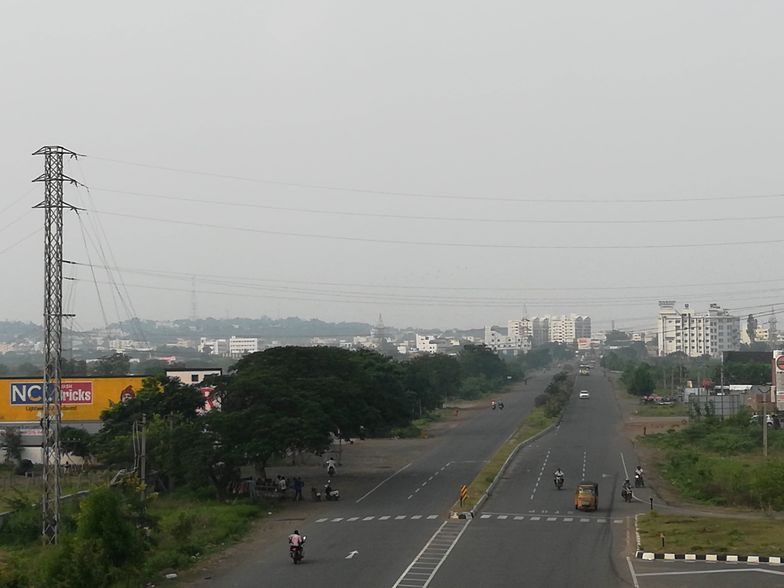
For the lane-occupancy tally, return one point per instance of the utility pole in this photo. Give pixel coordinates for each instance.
(51, 412)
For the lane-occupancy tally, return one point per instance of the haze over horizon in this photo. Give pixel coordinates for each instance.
(443, 164)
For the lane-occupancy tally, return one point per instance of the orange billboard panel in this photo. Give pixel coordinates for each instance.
(83, 399)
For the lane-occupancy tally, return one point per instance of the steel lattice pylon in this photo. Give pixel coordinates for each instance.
(53, 205)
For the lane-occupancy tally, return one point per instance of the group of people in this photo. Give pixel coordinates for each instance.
(282, 485)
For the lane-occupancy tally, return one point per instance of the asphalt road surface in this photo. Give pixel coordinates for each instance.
(528, 533)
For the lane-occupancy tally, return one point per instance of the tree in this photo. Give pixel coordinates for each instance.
(74, 367)
(639, 380)
(77, 442)
(12, 443)
(751, 328)
(432, 378)
(117, 364)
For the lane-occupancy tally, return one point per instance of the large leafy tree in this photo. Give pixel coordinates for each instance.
(432, 378)
(117, 364)
(175, 439)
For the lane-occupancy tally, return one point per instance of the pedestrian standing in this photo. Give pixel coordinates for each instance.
(298, 485)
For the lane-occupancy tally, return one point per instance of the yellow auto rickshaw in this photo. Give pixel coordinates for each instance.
(586, 496)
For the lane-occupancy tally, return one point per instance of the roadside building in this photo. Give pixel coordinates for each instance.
(697, 334)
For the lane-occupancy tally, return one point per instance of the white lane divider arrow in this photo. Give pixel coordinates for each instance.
(352, 554)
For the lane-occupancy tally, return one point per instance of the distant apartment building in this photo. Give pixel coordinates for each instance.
(241, 346)
(194, 376)
(513, 342)
(697, 334)
(564, 329)
(213, 346)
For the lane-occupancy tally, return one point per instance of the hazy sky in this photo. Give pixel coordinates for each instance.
(443, 163)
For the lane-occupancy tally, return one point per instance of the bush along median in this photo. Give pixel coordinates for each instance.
(547, 412)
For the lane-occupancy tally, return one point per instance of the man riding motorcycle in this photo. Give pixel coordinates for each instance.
(558, 478)
(296, 541)
(626, 490)
(638, 477)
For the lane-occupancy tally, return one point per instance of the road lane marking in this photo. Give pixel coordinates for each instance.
(382, 482)
(431, 517)
(384, 518)
(726, 571)
(337, 520)
(321, 520)
(415, 517)
(518, 518)
(535, 518)
(352, 519)
(400, 517)
(631, 570)
(552, 518)
(430, 559)
(568, 519)
(368, 518)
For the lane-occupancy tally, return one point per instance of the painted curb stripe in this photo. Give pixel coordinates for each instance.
(650, 555)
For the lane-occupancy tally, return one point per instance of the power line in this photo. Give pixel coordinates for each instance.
(442, 196)
(627, 246)
(428, 287)
(351, 213)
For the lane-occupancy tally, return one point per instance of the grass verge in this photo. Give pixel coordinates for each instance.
(687, 534)
(535, 422)
(656, 410)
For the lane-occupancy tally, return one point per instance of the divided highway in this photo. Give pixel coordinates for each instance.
(397, 534)
(391, 524)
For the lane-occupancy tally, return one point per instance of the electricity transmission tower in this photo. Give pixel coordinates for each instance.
(53, 205)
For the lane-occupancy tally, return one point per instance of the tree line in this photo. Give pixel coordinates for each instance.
(287, 400)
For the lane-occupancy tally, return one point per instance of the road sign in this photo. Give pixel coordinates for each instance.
(780, 363)
(463, 493)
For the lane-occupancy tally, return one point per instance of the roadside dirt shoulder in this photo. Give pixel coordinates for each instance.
(362, 466)
(635, 428)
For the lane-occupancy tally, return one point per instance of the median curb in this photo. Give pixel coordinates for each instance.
(489, 492)
(651, 555)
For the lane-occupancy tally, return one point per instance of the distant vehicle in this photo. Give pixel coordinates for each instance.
(586, 496)
(585, 370)
(771, 422)
(584, 394)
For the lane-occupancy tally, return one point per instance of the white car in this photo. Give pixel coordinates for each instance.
(584, 394)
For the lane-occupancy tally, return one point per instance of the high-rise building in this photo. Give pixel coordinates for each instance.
(697, 334)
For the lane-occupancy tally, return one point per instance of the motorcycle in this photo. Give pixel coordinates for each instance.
(493, 405)
(626, 493)
(638, 480)
(331, 493)
(296, 552)
(500, 406)
(331, 470)
(558, 481)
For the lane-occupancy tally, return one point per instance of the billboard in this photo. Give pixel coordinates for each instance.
(778, 375)
(583, 343)
(83, 399)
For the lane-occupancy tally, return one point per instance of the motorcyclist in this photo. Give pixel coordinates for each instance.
(492, 404)
(500, 405)
(331, 466)
(638, 477)
(626, 491)
(558, 476)
(296, 540)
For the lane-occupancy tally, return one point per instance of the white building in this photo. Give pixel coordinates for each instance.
(194, 376)
(697, 334)
(213, 346)
(513, 342)
(564, 329)
(239, 346)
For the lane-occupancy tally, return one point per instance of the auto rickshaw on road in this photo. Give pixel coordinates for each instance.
(586, 496)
